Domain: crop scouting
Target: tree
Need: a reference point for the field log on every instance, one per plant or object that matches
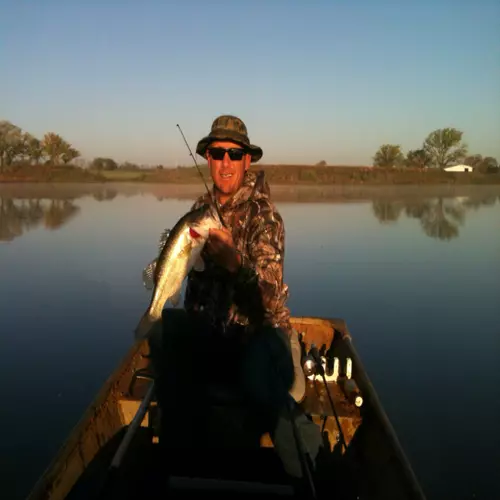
(388, 156)
(489, 165)
(473, 160)
(417, 158)
(104, 164)
(444, 147)
(54, 146)
(69, 154)
(485, 165)
(34, 148)
(11, 143)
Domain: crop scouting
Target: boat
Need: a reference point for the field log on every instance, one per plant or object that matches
(114, 451)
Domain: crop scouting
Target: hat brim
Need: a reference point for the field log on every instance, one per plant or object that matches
(254, 151)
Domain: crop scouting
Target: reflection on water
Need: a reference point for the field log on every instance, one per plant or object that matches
(18, 216)
(441, 214)
(105, 194)
(439, 218)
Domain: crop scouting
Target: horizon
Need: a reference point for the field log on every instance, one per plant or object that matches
(312, 82)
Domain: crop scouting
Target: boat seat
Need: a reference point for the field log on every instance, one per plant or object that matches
(141, 374)
(228, 487)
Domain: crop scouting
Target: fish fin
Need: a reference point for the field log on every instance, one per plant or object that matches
(145, 326)
(176, 297)
(199, 264)
(163, 239)
(148, 275)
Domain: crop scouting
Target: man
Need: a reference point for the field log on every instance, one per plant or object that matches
(235, 310)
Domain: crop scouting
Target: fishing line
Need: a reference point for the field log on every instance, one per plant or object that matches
(214, 202)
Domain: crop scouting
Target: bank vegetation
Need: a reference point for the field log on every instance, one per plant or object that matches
(52, 158)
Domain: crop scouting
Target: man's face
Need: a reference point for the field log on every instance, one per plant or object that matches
(227, 173)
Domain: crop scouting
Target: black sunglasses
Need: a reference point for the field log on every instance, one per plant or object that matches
(235, 154)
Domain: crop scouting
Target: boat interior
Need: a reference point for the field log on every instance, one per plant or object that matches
(121, 447)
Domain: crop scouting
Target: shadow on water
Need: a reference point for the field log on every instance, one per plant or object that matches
(439, 218)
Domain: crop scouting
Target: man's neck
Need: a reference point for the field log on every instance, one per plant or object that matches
(223, 198)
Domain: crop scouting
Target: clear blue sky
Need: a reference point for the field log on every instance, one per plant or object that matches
(315, 80)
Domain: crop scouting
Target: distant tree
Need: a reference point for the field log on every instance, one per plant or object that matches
(321, 163)
(473, 160)
(34, 149)
(54, 146)
(104, 164)
(18, 145)
(417, 158)
(486, 164)
(444, 147)
(69, 154)
(11, 143)
(388, 156)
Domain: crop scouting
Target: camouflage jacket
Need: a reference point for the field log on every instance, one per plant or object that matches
(256, 294)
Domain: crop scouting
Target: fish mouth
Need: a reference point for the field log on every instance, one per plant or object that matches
(194, 234)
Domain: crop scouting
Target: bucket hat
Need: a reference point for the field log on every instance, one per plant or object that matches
(229, 128)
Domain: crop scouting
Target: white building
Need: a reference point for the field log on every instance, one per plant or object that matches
(460, 168)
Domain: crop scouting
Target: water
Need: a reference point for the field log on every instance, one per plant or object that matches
(414, 271)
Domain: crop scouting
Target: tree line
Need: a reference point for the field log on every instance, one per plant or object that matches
(18, 145)
(441, 148)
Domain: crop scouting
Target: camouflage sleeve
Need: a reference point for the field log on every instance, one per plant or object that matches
(259, 282)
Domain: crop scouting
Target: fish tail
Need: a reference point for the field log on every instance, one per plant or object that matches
(145, 325)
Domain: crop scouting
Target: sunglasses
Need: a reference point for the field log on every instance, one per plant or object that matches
(235, 154)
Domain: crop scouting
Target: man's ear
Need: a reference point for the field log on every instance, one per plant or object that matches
(248, 160)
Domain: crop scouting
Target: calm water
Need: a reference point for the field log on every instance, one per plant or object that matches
(415, 272)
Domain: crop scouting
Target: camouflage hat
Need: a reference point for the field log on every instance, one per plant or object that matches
(229, 128)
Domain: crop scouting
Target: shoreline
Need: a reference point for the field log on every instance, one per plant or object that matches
(283, 175)
(107, 191)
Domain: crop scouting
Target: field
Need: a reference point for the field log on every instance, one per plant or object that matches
(275, 174)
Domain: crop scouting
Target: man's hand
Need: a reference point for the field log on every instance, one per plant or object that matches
(221, 247)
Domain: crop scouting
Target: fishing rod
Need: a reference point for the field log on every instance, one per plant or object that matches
(318, 368)
(304, 458)
(314, 354)
(212, 200)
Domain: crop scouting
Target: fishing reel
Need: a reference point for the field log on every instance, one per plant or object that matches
(315, 364)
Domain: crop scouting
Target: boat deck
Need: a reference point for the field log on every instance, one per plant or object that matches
(226, 457)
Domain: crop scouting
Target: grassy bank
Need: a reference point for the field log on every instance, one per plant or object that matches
(275, 174)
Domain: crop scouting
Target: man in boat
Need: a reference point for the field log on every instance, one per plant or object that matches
(235, 310)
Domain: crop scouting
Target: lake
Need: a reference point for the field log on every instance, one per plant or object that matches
(414, 271)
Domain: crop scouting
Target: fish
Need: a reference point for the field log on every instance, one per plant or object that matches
(180, 253)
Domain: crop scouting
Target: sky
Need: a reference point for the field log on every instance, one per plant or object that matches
(324, 80)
